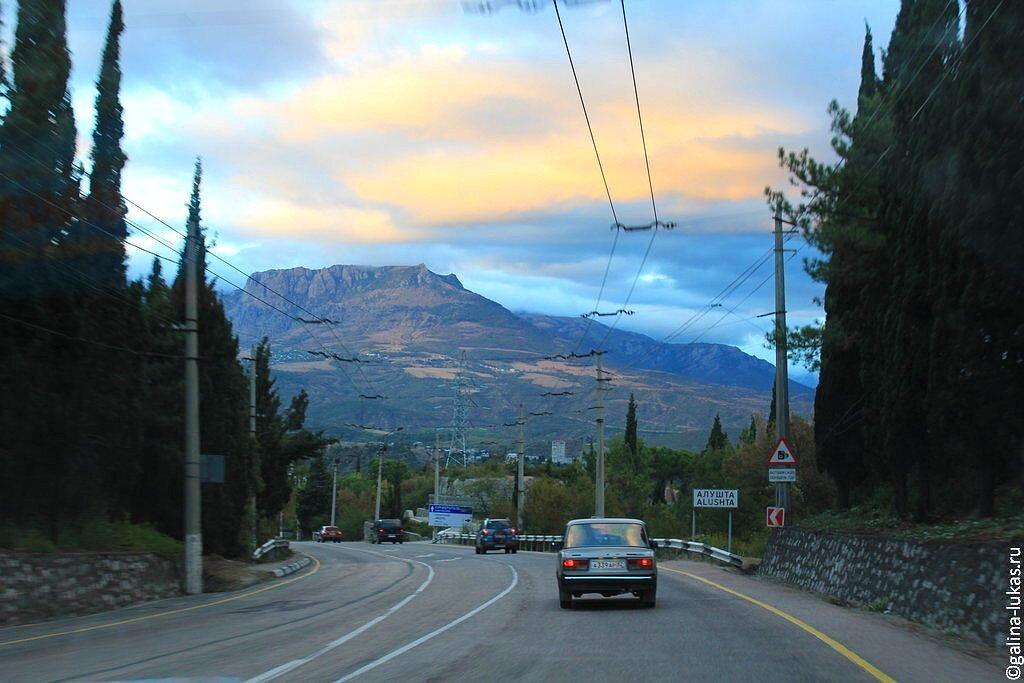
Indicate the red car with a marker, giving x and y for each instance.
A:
(327, 533)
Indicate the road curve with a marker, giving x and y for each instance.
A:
(423, 612)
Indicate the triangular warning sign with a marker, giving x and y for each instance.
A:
(782, 455)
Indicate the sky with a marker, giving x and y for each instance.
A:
(394, 132)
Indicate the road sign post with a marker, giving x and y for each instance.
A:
(714, 498)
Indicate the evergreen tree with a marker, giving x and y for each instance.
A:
(630, 437)
(749, 435)
(104, 207)
(37, 463)
(717, 439)
(314, 500)
(923, 42)
(224, 397)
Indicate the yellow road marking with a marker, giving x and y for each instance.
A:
(831, 642)
(97, 627)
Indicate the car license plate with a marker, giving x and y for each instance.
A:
(607, 564)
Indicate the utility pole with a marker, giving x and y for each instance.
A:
(193, 502)
(334, 488)
(520, 498)
(380, 471)
(254, 469)
(437, 478)
(437, 465)
(781, 363)
(599, 479)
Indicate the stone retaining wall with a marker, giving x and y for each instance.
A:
(956, 587)
(37, 586)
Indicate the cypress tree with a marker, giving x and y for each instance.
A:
(717, 439)
(630, 436)
(37, 201)
(104, 207)
(224, 399)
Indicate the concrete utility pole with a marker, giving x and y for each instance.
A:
(193, 503)
(334, 488)
(781, 363)
(252, 448)
(520, 498)
(599, 478)
(380, 471)
(437, 465)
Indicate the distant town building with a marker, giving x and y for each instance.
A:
(558, 456)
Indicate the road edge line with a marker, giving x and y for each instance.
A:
(179, 610)
(828, 640)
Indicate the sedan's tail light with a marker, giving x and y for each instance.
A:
(575, 564)
(485, 532)
(640, 563)
(512, 531)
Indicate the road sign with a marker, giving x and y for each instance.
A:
(211, 469)
(449, 515)
(780, 474)
(776, 517)
(716, 498)
(782, 455)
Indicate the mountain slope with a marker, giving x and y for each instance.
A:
(415, 326)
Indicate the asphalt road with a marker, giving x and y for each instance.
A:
(423, 612)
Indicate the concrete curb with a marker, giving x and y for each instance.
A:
(293, 567)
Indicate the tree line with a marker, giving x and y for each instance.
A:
(921, 228)
(92, 418)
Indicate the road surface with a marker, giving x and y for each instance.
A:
(423, 612)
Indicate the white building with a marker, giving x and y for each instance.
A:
(558, 456)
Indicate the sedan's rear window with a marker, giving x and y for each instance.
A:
(498, 524)
(604, 533)
(331, 528)
(390, 523)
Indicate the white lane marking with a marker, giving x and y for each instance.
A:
(436, 632)
(295, 663)
(427, 555)
(451, 559)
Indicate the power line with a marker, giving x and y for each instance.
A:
(85, 340)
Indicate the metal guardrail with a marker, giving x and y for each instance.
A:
(546, 543)
(272, 544)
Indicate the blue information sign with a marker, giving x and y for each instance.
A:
(450, 515)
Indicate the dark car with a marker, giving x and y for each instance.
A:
(327, 533)
(496, 534)
(388, 530)
(608, 556)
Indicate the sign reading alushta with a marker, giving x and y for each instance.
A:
(449, 515)
(783, 455)
(776, 517)
(716, 498)
(781, 474)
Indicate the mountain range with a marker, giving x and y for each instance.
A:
(418, 336)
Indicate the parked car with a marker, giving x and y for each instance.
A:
(388, 530)
(609, 556)
(327, 534)
(496, 534)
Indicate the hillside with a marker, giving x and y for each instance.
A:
(414, 325)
